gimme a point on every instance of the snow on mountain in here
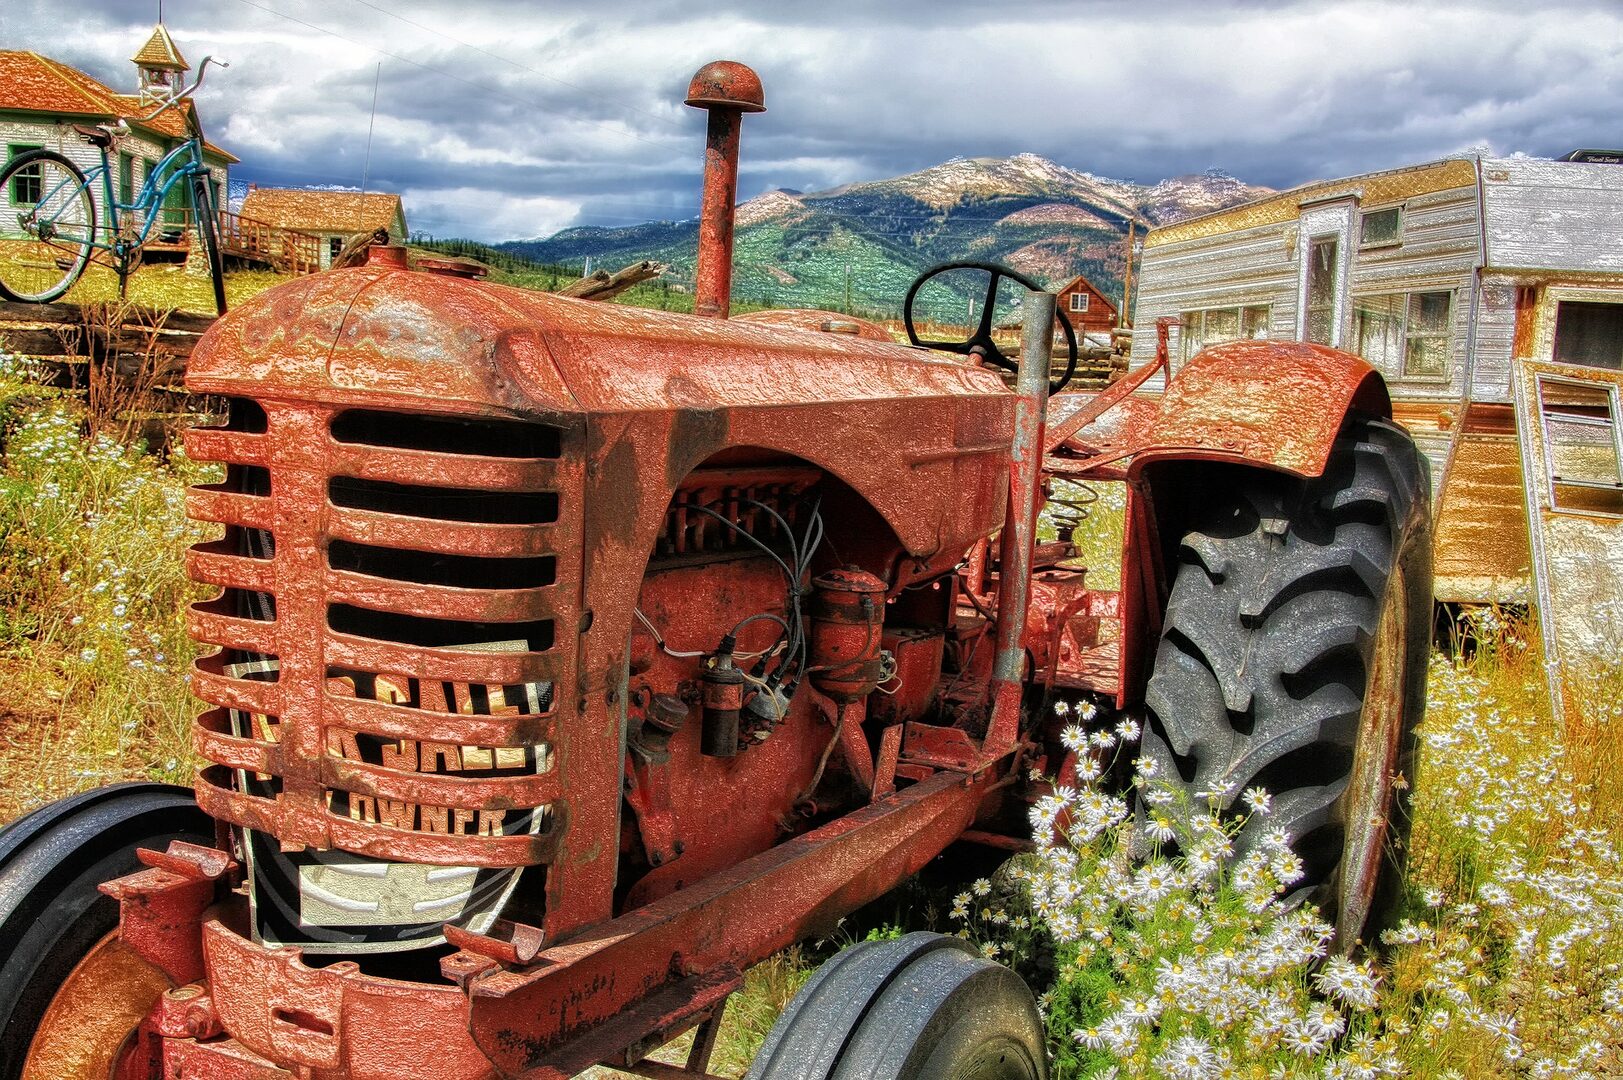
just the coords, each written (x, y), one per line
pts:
(778, 203)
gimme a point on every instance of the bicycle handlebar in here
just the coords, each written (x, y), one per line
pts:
(202, 70)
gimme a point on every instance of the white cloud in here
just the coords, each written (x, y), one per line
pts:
(469, 211)
(536, 111)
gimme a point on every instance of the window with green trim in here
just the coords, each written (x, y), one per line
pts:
(26, 185)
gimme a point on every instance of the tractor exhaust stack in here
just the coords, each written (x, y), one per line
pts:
(727, 90)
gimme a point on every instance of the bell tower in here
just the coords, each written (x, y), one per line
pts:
(160, 68)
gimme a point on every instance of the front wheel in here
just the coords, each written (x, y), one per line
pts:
(1293, 659)
(922, 1007)
(47, 233)
(71, 992)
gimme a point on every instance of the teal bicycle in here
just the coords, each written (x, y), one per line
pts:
(49, 218)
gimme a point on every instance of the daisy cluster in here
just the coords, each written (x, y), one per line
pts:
(1514, 964)
(1180, 950)
(93, 590)
(1178, 955)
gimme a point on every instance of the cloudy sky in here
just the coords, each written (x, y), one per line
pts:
(505, 118)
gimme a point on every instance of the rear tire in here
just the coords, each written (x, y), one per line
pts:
(923, 1007)
(35, 270)
(53, 920)
(1293, 658)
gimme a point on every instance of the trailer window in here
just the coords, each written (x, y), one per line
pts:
(1581, 451)
(1425, 345)
(1405, 333)
(1380, 228)
(1217, 325)
(1589, 334)
(1321, 291)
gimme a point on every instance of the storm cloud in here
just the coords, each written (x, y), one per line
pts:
(500, 119)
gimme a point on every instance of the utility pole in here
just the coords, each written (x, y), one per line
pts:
(848, 287)
(366, 167)
(1123, 318)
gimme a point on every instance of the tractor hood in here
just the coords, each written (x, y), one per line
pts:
(436, 342)
(650, 395)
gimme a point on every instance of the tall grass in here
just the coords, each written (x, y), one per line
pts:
(93, 648)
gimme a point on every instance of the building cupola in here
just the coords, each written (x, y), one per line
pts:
(160, 65)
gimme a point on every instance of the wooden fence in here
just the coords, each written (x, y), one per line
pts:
(68, 338)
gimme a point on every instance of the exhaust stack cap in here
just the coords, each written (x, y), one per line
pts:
(727, 84)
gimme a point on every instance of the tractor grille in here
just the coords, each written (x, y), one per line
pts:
(388, 638)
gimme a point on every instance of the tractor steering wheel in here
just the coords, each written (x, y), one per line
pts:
(980, 343)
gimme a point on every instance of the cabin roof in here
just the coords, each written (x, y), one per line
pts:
(323, 211)
(33, 83)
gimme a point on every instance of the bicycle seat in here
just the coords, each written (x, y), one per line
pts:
(95, 136)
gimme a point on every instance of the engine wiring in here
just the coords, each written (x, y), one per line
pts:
(791, 643)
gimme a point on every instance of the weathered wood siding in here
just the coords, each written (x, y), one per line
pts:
(1556, 216)
(1231, 269)
(1262, 265)
(60, 136)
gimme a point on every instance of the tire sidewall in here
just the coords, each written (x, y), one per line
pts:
(51, 910)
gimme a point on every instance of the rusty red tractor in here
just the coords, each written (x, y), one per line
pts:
(570, 658)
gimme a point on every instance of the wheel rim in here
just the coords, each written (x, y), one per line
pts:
(39, 268)
(91, 1018)
(1368, 802)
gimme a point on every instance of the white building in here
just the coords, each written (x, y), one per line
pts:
(41, 99)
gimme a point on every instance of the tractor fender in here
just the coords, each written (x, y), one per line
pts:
(1273, 404)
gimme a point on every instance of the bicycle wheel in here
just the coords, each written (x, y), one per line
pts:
(48, 228)
(208, 234)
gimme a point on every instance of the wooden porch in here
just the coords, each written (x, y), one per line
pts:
(287, 251)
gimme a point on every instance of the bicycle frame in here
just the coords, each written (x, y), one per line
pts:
(183, 165)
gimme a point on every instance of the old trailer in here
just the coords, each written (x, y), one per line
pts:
(1445, 276)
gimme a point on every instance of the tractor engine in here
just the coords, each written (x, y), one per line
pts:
(540, 609)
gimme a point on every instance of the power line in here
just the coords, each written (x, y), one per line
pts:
(528, 103)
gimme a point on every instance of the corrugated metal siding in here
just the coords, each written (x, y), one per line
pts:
(1438, 251)
(1554, 215)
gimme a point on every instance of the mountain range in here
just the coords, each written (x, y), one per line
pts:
(859, 246)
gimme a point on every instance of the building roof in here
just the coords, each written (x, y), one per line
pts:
(323, 211)
(1372, 189)
(1082, 280)
(33, 83)
(160, 52)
